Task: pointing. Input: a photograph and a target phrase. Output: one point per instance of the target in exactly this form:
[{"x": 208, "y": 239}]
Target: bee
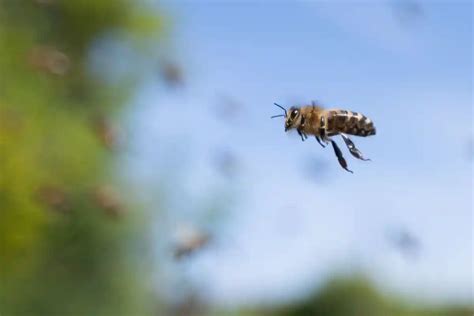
[
  {"x": 326, "y": 123},
  {"x": 190, "y": 239}
]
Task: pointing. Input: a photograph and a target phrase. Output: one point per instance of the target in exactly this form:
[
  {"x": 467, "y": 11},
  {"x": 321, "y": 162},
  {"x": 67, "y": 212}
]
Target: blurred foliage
[
  {"x": 64, "y": 246},
  {"x": 353, "y": 295},
  {"x": 357, "y": 296}
]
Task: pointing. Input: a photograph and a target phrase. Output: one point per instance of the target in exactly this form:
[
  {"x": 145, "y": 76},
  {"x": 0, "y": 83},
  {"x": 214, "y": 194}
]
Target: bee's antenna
[
  {"x": 280, "y": 115},
  {"x": 281, "y": 108}
]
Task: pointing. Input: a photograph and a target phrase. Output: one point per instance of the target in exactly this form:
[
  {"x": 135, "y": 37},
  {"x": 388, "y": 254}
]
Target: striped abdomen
[{"x": 352, "y": 123}]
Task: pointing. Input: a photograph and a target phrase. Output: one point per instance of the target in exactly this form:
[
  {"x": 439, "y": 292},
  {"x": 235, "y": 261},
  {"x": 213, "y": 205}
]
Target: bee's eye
[{"x": 293, "y": 114}]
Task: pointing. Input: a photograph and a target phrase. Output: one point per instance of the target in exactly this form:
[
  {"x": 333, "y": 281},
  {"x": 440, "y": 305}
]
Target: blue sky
[{"x": 281, "y": 231}]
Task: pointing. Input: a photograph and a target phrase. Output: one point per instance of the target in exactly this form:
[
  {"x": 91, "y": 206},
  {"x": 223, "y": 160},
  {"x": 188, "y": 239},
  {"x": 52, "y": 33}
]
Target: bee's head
[{"x": 292, "y": 117}]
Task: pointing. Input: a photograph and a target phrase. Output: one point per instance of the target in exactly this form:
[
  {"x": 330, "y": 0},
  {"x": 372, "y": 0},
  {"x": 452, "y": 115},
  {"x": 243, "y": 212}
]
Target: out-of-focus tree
[
  {"x": 351, "y": 296},
  {"x": 64, "y": 239},
  {"x": 357, "y": 296}
]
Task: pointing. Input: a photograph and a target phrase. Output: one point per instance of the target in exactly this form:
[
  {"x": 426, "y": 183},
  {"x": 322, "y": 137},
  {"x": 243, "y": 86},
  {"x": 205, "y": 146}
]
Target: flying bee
[{"x": 325, "y": 123}]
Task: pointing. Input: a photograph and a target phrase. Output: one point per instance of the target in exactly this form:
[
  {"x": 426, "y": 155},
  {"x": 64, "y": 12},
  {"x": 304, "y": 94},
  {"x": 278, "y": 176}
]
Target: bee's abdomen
[{"x": 352, "y": 123}]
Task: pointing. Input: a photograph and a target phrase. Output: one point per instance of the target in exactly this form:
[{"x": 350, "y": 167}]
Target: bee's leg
[
  {"x": 339, "y": 156},
  {"x": 301, "y": 128},
  {"x": 302, "y": 134},
  {"x": 323, "y": 136},
  {"x": 319, "y": 141},
  {"x": 352, "y": 148}
]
